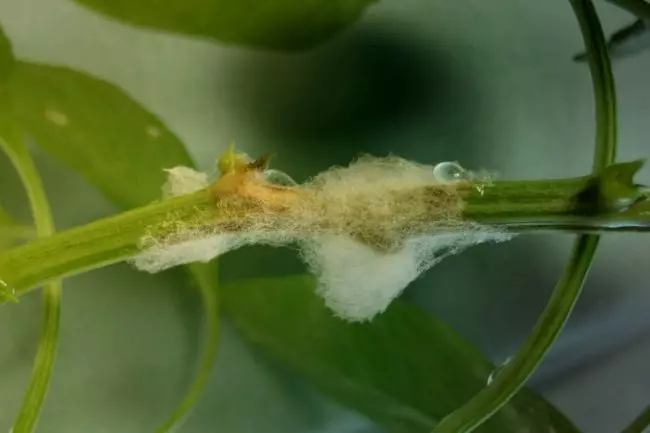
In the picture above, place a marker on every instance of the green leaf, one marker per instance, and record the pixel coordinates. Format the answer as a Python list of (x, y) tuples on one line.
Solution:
[(11, 141), (628, 41), (405, 369), (118, 146), (96, 129), (275, 24), (639, 8), (6, 57)]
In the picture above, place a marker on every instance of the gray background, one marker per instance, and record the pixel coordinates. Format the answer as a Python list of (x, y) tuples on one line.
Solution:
[(490, 84)]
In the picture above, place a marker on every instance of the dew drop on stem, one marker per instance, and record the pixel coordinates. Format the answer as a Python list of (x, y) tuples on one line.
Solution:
[(497, 371), (450, 172), (280, 178)]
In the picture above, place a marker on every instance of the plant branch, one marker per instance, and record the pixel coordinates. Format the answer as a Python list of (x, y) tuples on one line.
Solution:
[(206, 278), (516, 372), (519, 205), (94, 245)]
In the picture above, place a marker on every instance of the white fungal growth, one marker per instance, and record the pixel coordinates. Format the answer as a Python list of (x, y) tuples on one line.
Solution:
[(183, 180), (366, 231), (358, 282)]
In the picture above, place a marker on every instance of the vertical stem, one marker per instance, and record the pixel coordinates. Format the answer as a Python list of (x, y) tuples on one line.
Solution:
[(47, 347), (516, 372)]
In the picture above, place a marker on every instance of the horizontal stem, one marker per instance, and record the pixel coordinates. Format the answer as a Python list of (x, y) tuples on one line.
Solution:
[(91, 246), (520, 206)]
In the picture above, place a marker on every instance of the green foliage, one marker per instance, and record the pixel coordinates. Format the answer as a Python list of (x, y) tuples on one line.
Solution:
[(627, 41), (118, 146), (567, 291), (276, 24), (100, 132), (96, 129), (405, 369), (639, 8)]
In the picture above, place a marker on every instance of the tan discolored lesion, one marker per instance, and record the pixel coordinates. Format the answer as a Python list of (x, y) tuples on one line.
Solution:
[(244, 178)]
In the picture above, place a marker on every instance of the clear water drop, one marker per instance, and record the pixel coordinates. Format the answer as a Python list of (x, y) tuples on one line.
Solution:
[(497, 371), (279, 178), (450, 172)]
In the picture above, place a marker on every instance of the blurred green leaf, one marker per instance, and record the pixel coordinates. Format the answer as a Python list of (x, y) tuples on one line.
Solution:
[(118, 146), (638, 8), (626, 42), (96, 129), (405, 370), (275, 24), (6, 57)]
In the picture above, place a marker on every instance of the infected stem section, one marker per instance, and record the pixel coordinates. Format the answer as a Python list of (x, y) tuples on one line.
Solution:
[(366, 230)]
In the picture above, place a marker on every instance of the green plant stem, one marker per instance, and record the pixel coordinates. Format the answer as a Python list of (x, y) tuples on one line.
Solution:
[(49, 340), (97, 244), (522, 205), (516, 372), (602, 79), (640, 8), (640, 423), (207, 280)]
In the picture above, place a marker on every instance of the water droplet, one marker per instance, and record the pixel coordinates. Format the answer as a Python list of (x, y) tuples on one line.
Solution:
[(280, 178), (450, 172), (497, 371)]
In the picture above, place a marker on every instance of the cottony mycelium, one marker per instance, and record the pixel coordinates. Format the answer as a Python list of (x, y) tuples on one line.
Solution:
[(365, 231)]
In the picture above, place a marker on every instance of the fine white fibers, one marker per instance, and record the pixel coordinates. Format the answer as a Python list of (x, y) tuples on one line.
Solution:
[(366, 231), (192, 246), (183, 180), (357, 282)]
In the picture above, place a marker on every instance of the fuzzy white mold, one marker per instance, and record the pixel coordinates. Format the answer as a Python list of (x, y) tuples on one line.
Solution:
[(366, 231), (183, 180)]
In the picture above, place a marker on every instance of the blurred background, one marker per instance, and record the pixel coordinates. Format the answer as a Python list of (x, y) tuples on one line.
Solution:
[(489, 85)]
